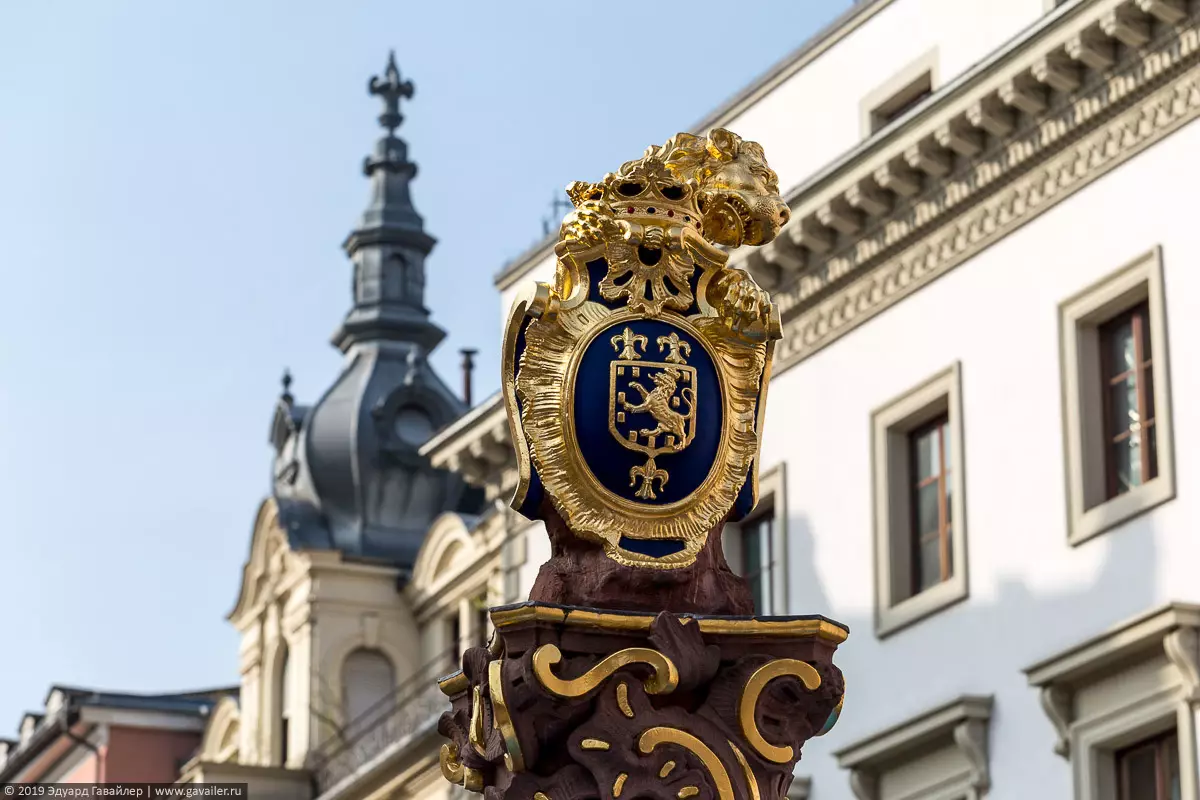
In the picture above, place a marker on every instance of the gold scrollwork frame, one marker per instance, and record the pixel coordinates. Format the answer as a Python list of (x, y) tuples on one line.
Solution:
[(544, 391), (514, 758), (664, 680), (779, 668)]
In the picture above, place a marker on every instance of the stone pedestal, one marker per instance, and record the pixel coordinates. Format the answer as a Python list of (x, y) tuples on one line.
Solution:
[(570, 703)]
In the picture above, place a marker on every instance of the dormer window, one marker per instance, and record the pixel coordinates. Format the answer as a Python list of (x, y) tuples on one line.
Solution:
[(413, 426), (908, 98), (904, 92)]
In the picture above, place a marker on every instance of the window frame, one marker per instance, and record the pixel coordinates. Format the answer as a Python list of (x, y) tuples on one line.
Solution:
[(1160, 745), (1138, 317), (891, 427), (962, 724), (945, 525), (1090, 512), (772, 503), (906, 89), (1139, 679)]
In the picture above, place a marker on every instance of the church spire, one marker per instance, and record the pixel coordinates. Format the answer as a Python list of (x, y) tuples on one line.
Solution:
[(390, 244)]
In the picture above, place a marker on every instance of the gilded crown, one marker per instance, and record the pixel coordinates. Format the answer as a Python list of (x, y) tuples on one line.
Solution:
[(719, 185)]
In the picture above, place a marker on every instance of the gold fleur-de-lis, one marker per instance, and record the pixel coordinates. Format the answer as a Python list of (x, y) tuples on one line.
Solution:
[(626, 342), (648, 473), (673, 342)]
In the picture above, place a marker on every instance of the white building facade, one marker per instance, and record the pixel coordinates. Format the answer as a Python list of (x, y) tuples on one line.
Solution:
[(980, 421), (977, 443)]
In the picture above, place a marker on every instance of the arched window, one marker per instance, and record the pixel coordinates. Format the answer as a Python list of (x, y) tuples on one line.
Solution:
[(367, 678)]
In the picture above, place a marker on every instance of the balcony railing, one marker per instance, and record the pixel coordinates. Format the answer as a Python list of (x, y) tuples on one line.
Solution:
[(416, 704)]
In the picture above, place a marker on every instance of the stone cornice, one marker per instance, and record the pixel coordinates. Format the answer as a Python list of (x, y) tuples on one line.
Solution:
[(1140, 634), (477, 446), (1067, 101), (1172, 631), (963, 721)]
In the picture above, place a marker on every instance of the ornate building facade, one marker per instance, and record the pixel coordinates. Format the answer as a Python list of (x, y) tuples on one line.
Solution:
[(976, 448), (345, 616), (977, 440)]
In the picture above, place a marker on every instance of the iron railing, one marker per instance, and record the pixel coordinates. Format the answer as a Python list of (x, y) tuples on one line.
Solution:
[(415, 704)]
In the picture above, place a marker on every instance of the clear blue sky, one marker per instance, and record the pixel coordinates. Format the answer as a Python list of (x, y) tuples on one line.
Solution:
[(176, 179)]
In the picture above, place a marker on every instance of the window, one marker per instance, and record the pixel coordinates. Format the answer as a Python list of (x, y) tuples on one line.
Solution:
[(920, 541), (941, 753), (931, 503), (1116, 401), (454, 637), (1122, 704), (367, 678), (906, 90), (754, 559), (285, 698), (1149, 770), (756, 546), (1128, 400), (480, 604)]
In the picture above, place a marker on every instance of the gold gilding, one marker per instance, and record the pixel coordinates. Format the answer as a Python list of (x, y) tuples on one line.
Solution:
[(653, 737), (623, 699), (619, 784), (664, 680), (659, 225), (594, 744), (768, 672), (453, 684), (475, 733), (666, 769), (751, 780), (472, 780), (514, 759), (579, 618), (452, 768)]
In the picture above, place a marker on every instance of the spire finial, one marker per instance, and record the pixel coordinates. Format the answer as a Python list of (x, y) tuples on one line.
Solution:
[(286, 380), (391, 89)]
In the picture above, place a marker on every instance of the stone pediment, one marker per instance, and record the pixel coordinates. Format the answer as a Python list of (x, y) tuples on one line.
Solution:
[(271, 557)]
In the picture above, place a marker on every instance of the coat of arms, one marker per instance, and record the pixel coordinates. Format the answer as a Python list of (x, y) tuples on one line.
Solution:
[(651, 404), (647, 323)]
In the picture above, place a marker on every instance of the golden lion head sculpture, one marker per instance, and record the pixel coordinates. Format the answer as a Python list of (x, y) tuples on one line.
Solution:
[(719, 184)]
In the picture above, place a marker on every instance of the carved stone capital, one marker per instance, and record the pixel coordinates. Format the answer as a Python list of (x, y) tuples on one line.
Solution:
[(1122, 25), (971, 736), (1056, 72), (960, 137), (898, 179), (865, 785), (1169, 11), (1058, 705), (990, 115), (1182, 647), (608, 706)]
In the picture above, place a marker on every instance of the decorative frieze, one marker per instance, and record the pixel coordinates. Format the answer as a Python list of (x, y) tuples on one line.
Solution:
[(1067, 112)]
